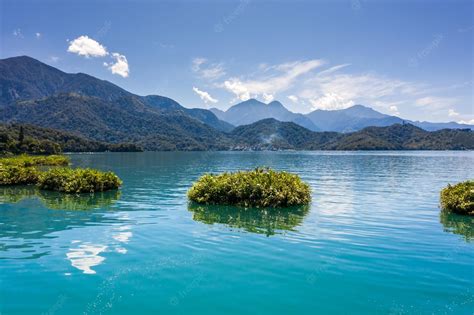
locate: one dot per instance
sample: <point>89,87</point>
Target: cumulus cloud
<point>87,47</point>
<point>330,101</point>
<point>452,113</point>
<point>120,66</point>
<point>205,96</point>
<point>268,98</point>
<point>394,110</point>
<point>467,122</point>
<point>293,98</point>
<point>38,35</point>
<point>238,88</point>
<point>462,119</point>
<point>206,70</point>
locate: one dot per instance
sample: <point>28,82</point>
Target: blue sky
<point>409,58</point>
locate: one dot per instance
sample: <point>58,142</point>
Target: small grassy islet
<point>458,198</point>
<point>24,170</point>
<point>262,187</point>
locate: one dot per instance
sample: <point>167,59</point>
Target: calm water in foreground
<point>373,240</point>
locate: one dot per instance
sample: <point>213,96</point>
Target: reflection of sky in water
<point>49,228</point>
<point>84,255</point>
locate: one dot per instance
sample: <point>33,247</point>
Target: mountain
<point>405,137</point>
<point>271,134</point>
<point>431,126</point>
<point>124,120</point>
<point>99,113</point>
<point>24,78</point>
<point>358,117</point>
<point>350,119</point>
<point>252,110</point>
<point>206,116</point>
<point>35,93</point>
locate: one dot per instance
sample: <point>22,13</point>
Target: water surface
<point>372,241</point>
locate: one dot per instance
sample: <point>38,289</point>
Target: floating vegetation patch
<point>49,173</point>
<point>78,180</point>
<point>458,198</point>
<point>18,175</point>
<point>261,187</point>
<point>40,160</point>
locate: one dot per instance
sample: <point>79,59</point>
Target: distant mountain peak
<point>249,102</point>
<point>22,57</point>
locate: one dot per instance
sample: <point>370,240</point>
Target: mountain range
<point>350,119</point>
<point>37,94</point>
<point>271,134</point>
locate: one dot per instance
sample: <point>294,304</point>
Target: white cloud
<point>462,119</point>
<point>238,88</point>
<point>328,90</point>
<point>38,35</point>
<point>293,98</point>
<point>333,69</point>
<point>330,101</point>
<point>268,98</point>
<point>394,110</point>
<point>452,113</point>
<point>313,86</point>
<point>281,78</point>
<point>17,33</point>
<point>87,47</point>
<point>467,122</point>
<point>206,70</point>
<point>120,66</point>
<point>197,62</point>
<point>435,102</point>
<point>206,97</point>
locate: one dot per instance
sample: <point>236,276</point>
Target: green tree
<point>21,136</point>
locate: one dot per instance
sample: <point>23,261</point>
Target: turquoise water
<point>372,241</point>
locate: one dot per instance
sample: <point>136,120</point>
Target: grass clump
<point>18,175</point>
<point>458,198</point>
<point>40,160</point>
<point>78,180</point>
<point>42,171</point>
<point>261,187</point>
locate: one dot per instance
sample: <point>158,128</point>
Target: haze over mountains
<point>34,93</point>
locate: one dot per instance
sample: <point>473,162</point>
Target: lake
<point>372,241</point>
